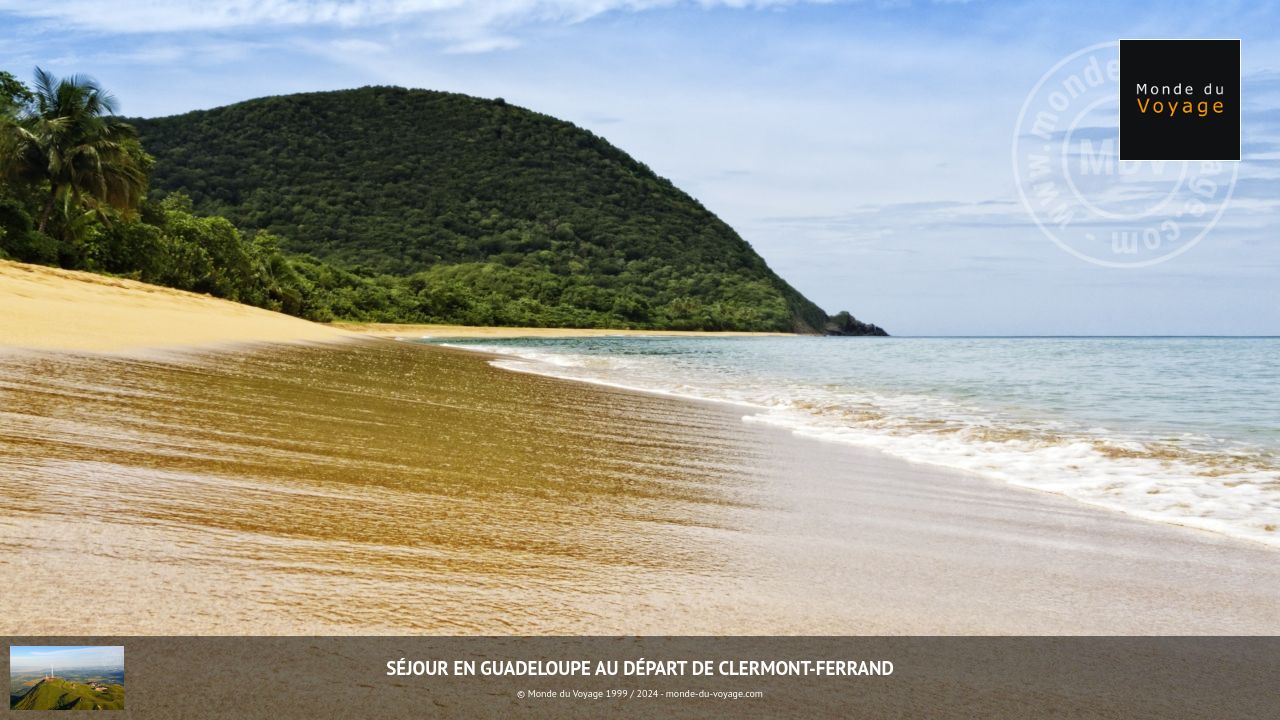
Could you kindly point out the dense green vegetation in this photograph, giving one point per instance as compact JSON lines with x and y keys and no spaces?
{"x":500,"y":214}
{"x":377,"y":204}
{"x":842,"y":323}
{"x":72,"y":193}
{"x":62,"y":694}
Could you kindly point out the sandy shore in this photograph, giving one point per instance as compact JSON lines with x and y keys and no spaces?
{"x":370,"y":487}
{"x":54,"y":309}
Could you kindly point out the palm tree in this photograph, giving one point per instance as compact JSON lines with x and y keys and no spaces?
{"x":68,"y":139}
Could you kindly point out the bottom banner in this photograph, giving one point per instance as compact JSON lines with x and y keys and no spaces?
{"x":562,"y":677}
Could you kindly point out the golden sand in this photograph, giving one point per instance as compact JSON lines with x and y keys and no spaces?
{"x":54,"y":309}
{"x":373,"y":487}
{"x":370,"y":487}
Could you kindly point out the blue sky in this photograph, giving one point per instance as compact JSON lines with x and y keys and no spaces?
{"x":863,"y":148}
{"x":64,"y":657}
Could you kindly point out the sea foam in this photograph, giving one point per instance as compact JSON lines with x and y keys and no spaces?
{"x":1181,"y":474}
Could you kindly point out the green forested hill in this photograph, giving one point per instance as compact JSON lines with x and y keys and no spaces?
{"x":61,"y":694}
{"x":486,"y":212}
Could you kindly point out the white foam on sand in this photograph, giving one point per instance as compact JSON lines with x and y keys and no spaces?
{"x":1230,"y":490}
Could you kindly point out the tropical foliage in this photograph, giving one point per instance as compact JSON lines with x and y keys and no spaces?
{"x":377,"y":204}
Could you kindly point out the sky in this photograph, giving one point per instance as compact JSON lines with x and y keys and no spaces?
{"x":64,"y":657}
{"x":865,"y":149}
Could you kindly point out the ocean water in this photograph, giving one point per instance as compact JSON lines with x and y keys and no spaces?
{"x":1179,"y":430}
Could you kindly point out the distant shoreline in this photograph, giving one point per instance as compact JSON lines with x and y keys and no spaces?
{"x":471,"y":331}
{"x":49,"y":308}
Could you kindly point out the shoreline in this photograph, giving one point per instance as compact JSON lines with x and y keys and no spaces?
{"x":759,"y":413}
{"x":47,"y":308}
{"x":435,"y":332}
{"x":610,"y":511}
{"x":372,"y":487}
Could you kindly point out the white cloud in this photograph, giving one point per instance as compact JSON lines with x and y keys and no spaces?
{"x":459,"y":26}
{"x":483,"y":44}
{"x":359,"y":46}
{"x":149,"y":16}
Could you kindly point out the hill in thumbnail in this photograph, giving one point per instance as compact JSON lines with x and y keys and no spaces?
{"x":58,"y":693}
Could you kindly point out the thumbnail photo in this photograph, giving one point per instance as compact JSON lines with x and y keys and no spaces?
{"x":66,"y":677}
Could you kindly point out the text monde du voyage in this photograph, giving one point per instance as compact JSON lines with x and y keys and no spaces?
{"x":1180,"y":99}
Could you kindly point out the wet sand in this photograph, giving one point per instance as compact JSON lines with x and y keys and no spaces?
{"x":374,"y":487}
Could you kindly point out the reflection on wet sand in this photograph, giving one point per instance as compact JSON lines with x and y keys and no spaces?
{"x":352,"y":487}
{"x":373,"y":487}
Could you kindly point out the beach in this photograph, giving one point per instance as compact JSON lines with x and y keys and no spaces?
{"x":272,"y":484}
{"x":55,"y":309}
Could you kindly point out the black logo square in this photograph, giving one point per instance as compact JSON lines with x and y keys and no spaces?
{"x":1179,"y":99}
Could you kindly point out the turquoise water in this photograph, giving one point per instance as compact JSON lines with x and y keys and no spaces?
{"x":1182,"y":430}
